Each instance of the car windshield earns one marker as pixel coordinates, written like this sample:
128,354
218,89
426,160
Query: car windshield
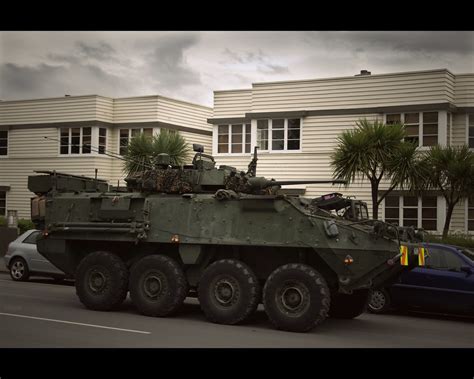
468,253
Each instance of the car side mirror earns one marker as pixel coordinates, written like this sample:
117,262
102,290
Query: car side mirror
466,269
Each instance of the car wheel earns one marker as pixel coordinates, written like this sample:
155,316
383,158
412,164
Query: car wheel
379,301
19,270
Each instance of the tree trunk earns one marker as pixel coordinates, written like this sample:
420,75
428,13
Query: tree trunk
375,196
449,213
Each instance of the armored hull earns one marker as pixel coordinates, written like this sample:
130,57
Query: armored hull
234,241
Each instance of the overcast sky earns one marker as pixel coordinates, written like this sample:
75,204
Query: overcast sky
190,65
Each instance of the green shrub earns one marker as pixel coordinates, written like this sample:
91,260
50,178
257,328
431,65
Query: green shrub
457,239
3,221
24,225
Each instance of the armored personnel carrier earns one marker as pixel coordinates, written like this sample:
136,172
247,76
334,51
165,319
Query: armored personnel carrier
230,238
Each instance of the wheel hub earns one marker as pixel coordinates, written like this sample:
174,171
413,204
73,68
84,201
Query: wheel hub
152,286
377,300
97,281
224,292
18,269
292,298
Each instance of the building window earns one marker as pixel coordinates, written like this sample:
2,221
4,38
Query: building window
429,212
392,209
419,212
284,134
448,131
3,142
410,211
470,132
102,140
234,138
421,128
430,128
125,135
470,215
76,140
3,203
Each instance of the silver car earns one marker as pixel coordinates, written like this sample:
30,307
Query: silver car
22,259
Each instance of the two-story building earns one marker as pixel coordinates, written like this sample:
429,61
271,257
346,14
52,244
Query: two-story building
295,125
58,133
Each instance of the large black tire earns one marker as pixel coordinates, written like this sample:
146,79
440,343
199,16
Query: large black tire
19,270
102,281
158,286
228,292
379,301
349,306
296,297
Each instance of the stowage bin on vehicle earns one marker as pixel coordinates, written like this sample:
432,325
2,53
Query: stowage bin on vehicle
230,238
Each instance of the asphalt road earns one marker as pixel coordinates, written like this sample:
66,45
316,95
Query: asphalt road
43,314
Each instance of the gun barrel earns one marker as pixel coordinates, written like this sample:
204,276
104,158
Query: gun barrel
323,181
265,183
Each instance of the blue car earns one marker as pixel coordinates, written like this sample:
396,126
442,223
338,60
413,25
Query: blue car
445,283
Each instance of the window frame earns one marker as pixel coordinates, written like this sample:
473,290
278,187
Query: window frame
469,124
253,137
6,203
419,207
229,140
154,131
81,134
467,219
285,135
421,124
98,141
8,142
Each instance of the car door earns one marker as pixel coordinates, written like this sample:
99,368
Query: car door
439,285
450,288
411,288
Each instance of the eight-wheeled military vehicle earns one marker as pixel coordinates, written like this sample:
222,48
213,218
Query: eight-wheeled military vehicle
231,238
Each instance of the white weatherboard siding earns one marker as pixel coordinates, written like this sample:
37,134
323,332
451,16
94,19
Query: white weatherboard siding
319,133
459,129
28,150
354,92
178,112
61,109
464,87
234,103
136,109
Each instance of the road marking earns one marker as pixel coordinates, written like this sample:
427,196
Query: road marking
75,323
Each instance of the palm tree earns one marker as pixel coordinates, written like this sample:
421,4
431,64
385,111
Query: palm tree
143,150
450,170
376,151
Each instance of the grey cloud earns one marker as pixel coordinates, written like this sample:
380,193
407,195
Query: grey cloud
459,42
167,65
258,59
101,51
46,80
